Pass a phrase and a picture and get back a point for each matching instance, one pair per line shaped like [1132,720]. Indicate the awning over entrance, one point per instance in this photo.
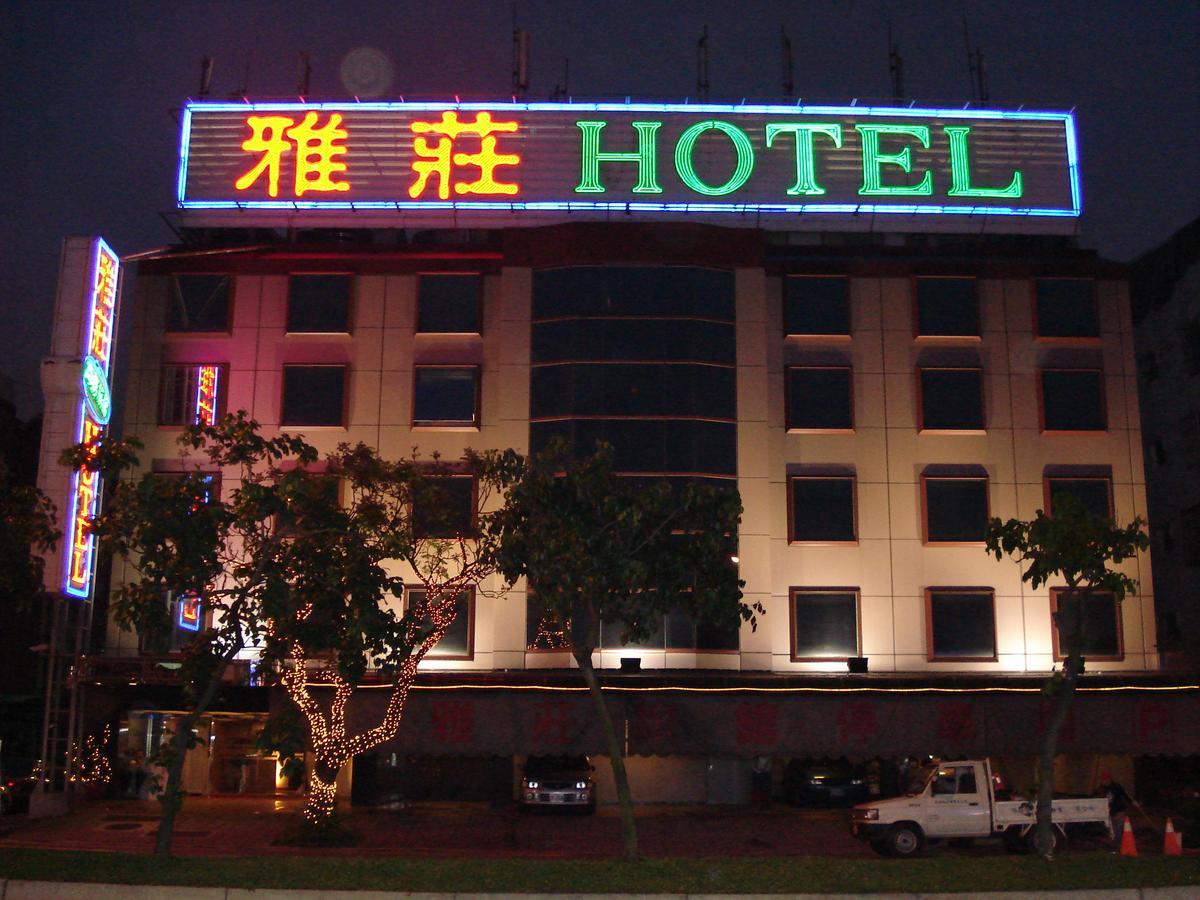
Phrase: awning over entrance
[448,720]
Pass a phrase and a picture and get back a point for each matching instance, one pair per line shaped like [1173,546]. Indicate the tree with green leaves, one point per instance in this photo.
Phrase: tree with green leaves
[291,567]
[1082,550]
[598,547]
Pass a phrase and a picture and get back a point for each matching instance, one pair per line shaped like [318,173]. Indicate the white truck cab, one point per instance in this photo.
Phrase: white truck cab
[957,800]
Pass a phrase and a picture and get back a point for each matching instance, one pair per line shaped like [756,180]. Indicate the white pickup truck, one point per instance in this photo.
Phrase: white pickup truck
[957,801]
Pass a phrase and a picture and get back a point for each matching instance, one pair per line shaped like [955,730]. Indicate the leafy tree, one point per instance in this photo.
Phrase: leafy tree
[595,547]
[284,565]
[27,530]
[1078,548]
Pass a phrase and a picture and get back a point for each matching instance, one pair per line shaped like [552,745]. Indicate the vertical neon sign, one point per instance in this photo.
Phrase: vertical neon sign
[95,407]
[207,384]
[189,612]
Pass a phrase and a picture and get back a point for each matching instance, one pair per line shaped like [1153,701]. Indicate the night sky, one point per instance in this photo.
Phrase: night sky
[89,92]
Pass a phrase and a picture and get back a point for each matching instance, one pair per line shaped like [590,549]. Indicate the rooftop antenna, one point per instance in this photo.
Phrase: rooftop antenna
[702,64]
[562,91]
[976,70]
[206,73]
[303,74]
[895,66]
[520,59]
[789,83]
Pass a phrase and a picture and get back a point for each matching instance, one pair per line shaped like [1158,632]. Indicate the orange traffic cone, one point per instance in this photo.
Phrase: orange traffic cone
[1128,844]
[1172,841]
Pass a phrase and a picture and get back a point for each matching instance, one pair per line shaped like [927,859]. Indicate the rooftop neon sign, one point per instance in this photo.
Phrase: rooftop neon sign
[95,407]
[637,158]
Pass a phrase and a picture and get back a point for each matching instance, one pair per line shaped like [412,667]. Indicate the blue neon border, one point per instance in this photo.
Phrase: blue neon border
[181,623]
[99,246]
[1067,118]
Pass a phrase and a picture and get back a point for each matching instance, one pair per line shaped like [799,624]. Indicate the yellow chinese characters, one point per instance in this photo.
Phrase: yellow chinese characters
[315,149]
[435,159]
[79,574]
[105,290]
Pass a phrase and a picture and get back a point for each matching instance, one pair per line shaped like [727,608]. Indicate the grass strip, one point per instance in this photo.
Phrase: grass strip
[764,875]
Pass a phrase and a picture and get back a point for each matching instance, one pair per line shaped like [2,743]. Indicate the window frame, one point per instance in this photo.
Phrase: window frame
[456,424]
[345,412]
[1084,340]
[1041,400]
[469,590]
[794,591]
[916,310]
[168,331]
[922,428]
[816,336]
[787,400]
[351,304]
[222,390]
[479,276]
[987,494]
[931,654]
[473,528]
[1047,494]
[1055,593]
[791,513]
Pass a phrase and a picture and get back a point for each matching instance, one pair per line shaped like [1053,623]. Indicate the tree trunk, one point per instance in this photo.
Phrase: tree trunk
[172,794]
[616,755]
[321,803]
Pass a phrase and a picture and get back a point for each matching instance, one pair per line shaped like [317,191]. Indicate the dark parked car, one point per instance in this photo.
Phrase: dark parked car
[17,781]
[558,782]
[825,783]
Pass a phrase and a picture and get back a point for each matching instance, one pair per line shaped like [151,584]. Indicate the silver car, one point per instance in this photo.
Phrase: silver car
[558,782]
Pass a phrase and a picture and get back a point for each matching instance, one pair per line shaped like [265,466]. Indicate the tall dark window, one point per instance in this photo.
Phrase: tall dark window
[446,395]
[952,399]
[816,305]
[199,303]
[1102,638]
[822,509]
[643,358]
[947,307]
[459,640]
[824,623]
[1073,400]
[1094,494]
[819,398]
[449,304]
[956,509]
[961,624]
[319,304]
[314,395]
[1066,308]
[544,629]
[444,507]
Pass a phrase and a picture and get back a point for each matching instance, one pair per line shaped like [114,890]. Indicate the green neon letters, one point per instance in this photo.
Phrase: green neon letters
[645,156]
[872,160]
[686,169]
[960,169]
[806,178]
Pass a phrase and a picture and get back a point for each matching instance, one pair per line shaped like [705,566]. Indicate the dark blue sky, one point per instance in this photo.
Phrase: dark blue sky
[88,91]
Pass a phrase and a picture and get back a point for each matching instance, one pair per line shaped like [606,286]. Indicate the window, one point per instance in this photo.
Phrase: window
[314,395]
[1189,522]
[819,399]
[446,395]
[444,507]
[1093,493]
[1102,638]
[459,640]
[956,509]
[198,303]
[318,304]
[449,304]
[955,780]
[961,624]
[543,629]
[824,623]
[191,395]
[947,307]
[816,305]
[1066,308]
[1073,400]
[951,399]
[822,509]
[186,616]
[683,632]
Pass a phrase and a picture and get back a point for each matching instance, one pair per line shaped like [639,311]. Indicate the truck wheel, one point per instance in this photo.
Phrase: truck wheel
[1056,840]
[906,839]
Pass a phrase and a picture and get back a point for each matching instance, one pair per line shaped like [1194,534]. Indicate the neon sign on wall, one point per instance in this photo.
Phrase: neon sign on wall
[95,407]
[637,158]
[207,383]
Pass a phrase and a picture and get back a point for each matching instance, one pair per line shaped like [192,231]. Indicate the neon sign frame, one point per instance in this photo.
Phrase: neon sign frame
[703,205]
[100,327]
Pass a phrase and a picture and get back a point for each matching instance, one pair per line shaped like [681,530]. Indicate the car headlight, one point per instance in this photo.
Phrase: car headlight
[858,781]
[869,814]
[581,785]
[532,785]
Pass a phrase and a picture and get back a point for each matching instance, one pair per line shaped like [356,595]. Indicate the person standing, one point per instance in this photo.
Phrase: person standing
[1118,804]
